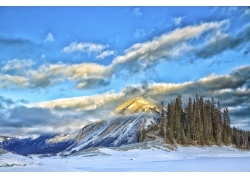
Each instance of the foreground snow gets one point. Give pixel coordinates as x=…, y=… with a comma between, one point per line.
x=136, y=159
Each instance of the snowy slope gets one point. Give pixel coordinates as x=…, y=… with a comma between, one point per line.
x=45, y=144
x=140, y=104
x=119, y=131
x=140, y=158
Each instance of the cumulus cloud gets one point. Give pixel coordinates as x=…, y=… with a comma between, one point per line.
x=49, y=38
x=137, y=12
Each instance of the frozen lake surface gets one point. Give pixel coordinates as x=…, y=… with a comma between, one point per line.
x=153, y=159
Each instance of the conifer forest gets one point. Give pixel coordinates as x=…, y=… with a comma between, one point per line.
x=198, y=122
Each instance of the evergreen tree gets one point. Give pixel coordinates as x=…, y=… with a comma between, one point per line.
x=170, y=124
x=163, y=123
x=190, y=120
x=200, y=121
x=177, y=118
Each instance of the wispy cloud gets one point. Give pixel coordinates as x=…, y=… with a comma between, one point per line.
x=19, y=48
x=8, y=81
x=177, y=20
x=49, y=38
x=43, y=56
x=213, y=85
x=136, y=59
x=23, y=121
x=246, y=12
x=140, y=33
x=69, y=114
x=233, y=8
x=137, y=12
x=221, y=42
x=105, y=54
x=99, y=50
x=16, y=64
x=84, y=47
x=166, y=47
x=232, y=90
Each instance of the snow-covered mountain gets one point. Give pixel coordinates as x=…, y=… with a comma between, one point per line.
x=140, y=104
x=118, y=129
x=45, y=144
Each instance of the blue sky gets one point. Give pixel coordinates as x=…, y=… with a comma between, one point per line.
x=75, y=63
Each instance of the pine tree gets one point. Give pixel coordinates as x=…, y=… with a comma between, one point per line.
x=170, y=123
x=198, y=123
x=190, y=120
x=163, y=123
x=177, y=118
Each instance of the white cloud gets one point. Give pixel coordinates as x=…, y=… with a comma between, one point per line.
x=136, y=59
x=49, y=38
x=99, y=50
x=165, y=47
x=207, y=86
x=82, y=103
x=17, y=64
x=177, y=20
x=84, y=47
x=105, y=54
x=68, y=113
x=47, y=74
x=140, y=33
x=7, y=81
x=137, y=12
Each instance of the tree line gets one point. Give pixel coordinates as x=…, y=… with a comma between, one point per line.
x=199, y=122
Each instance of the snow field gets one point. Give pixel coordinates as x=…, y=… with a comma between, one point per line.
x=183, y=159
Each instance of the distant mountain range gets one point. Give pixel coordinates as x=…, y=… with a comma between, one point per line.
x=119, y=129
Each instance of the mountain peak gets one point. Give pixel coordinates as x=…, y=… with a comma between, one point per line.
x=142, y=103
